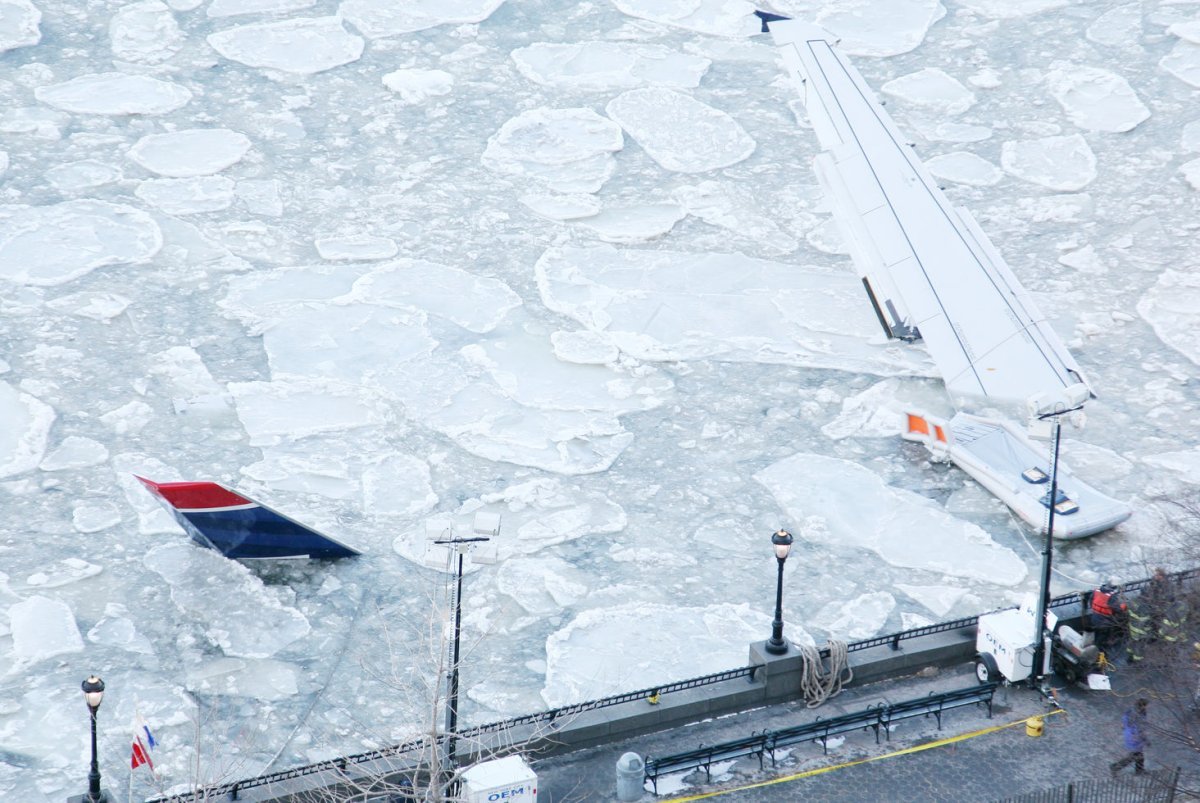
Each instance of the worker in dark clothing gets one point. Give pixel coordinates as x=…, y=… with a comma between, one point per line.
x=1134, y=734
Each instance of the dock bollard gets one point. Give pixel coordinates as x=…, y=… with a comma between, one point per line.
x=630, y=777
x=1034, y=726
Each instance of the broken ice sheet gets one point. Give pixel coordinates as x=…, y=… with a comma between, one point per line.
x=858, y=618
x=715, y=17
x=19, y=24
x=192, y=152
x=680, y=133
x=881, y=27
x=296, y=46
x=25, y=432
x=667, y=305
x=1172, y=308
x=187, y=196
x=1095, y=99
x=49, y=245
x=602, y=66
x=963, y=167
x=858, y=510
x=145, y=32
x=382, y=18
x=932, y=90
x=115, y=93
x=1063, y=163
x=569, y=150
x=250, y=622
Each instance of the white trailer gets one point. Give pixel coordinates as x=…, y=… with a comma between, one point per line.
x=504, y=780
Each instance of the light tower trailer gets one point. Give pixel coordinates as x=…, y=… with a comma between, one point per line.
x=1005, y=648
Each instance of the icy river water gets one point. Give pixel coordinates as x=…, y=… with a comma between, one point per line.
x=386, y=265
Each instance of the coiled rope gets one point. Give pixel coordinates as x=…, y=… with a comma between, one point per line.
x=819, y=683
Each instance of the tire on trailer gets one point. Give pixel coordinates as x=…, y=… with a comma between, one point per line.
x=986, y=670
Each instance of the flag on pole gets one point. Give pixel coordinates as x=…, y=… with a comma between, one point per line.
x=143, y=743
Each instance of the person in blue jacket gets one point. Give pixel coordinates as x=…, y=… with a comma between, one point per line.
x=1134, y=726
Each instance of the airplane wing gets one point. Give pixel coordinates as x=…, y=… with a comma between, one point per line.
x=238, y=526
x=928, y=269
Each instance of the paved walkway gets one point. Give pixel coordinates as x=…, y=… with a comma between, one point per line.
x=970, y=759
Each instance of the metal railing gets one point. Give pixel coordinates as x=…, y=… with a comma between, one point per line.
x=565, y=713
x=1155, y=786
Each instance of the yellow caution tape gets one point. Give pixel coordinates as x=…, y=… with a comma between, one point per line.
x=821, y=770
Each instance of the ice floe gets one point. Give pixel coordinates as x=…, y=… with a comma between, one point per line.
x=939, y=599
x=858, y=618
x=1095, y=99
x=542, y=587
x=1172, y=308
x=877, y=28
x=267, y=680
x=116, y=629
x=1185, y=463
x=1118, y=27
x=233, y=8
x=90, y=304
x=1191, y=173
x=878, y=411
x=43, y=628
x=115, y=93
x=523, y=366
x=680, y=132
x=1011, y=9
x=1183, y=62
x=476, y=303
x=86, y=174
x=1063, y=163
x=75, y=452
x=668, y=305
x=356, y=247
x=963, y=167
x=296, y=46
x=260, y=196
x=19, y=24
x=562, y=207
x=932, y=91
x=416, y=86
x=943, y=131
x=382, y=18
x=62, y=573
x=601, y=66
x=845, y=505
x=1189, y=140
x=93, y=517
x=145, y=32
x=633, y=224
x=488, y=423
x=737, y=211
x=569, y=150
x=584, y=348
x=187, y=196
x=189, y=153
x=1188, y=31
x=50, y=245
x=250, y=622
x=280, y=411
x=717, y=17
x=397, y=485
x=534, y=515
x=611, y=650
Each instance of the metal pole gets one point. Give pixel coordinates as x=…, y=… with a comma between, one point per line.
x=452, y=710
x=94, y=774
x=777, y=646
x=1039, y=651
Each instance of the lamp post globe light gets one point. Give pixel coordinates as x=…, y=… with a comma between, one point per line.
x=93, y=694
x=782, y=542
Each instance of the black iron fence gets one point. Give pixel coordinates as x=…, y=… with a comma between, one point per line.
x=1156, y=786
x=566, y=713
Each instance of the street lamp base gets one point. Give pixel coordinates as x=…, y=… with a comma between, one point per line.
x=774, y=647
x=105, y=797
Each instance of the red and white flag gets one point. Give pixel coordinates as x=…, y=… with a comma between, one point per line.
x=143, y=743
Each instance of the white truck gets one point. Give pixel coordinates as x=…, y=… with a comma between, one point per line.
x=1004, y=646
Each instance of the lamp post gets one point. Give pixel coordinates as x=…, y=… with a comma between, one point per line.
x=461, y=546
x=782, y=541
x=93, y=693
x=1043, y=602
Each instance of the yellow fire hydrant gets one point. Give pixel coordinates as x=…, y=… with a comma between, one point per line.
x=1034, y=726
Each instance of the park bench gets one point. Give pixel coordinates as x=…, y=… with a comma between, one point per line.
x=935, y=703
x=703, y=757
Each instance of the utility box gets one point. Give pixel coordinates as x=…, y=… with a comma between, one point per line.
x=504, y=780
